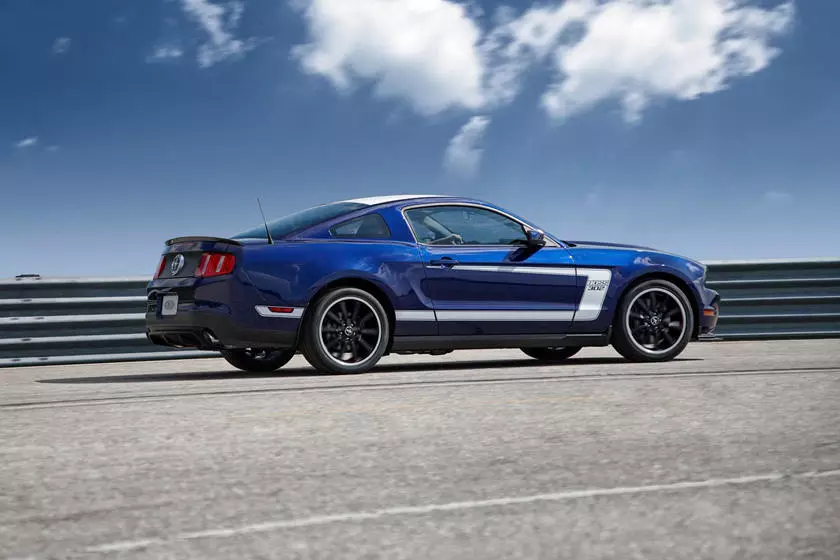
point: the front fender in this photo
(691, 274)
(628, 265)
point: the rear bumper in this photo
(212, 331)
(206, 321)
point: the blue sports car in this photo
(349, 282)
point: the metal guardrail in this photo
(77, 320)
(777, 299)
(90, 320)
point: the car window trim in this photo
(390, 235)
(550, 241)
(302, 229)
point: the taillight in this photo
(215, 264)
(160, 266)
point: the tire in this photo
(346, 332)
(258, 361)
(552, 355)
(650, 312)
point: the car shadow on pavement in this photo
(310, 372)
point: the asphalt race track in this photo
(733, 451)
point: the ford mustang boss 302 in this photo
(349, 282)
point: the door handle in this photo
(443, 262)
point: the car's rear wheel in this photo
(254, 360)
(346, 332)
(653, 322)
(552, 355)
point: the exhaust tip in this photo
(211, 338)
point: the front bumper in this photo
(709, 314)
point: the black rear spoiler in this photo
(198, 239)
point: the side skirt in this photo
(478, 342)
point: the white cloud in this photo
(27, 142)
(517, 43)
(164, 53)
(220, 23)
(777, 197)
(61, 45)
(423, 51)
(637, 52)
(435, 55)
(463, 155)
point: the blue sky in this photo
(703, 127)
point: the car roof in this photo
(377, 200)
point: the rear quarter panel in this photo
(292, 273)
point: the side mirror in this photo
(535, 238)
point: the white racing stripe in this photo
(414, 315)
(484, 315)
(594, 292)
(360, 516)
(373, 200)
(515, 269)
(505, 315)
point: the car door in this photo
(483, 279)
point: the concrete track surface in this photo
(732, 451)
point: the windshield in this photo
(301, 220)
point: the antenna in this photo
(267, 232)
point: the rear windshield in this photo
(301, 220)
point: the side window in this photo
(464, 225)
(372, 226)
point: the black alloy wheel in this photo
(347, 332)
(654, 322)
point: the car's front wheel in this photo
(552, 355)
(258, 361)
(346, 332)
(653, 322)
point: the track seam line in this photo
(410, 385)
(359, 516)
